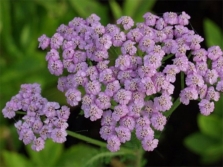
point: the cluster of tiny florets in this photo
(42, 119)
(118, 73)
(131, 93)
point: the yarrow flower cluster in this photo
(121, 68)
(42, 119)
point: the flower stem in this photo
(21, 112)
(174, 106)
(87, 139)
(167, 57)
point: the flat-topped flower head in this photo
(126, 22)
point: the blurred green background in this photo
(23, 21)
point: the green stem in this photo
(167, 57)
(87, 139)
(21, 112)
(174, 106)
(108, 154)
(139, 154)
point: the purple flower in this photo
(94, 113)
(212, 94)
(26, 135)
(218, 65)
(168, 31)
(181, 63)
(111, 29)
(45, 132)
(106, 76)
(149, 144)
(146, 44)
(79, 57)
(163, 102)
(63, 113)
(52, 55)
(104, 42)
(160, 24)
(58, 135)
(160, 36)
(149, 108)
(55, 67)
(219, 86)
(134, 35)
(102, 65)
(169, 44)
(128, 48)
(180, 50)
(180, 30)
(195, 42)
(100, 55)
(93, 87)
(37, 125)
(112, 88)
(126, 22)
(107, 119)
(135, 109)
(132, 84)
(202, 91)
(107, 131)
(143, 132)
(183, 19)
(50, 109)
(56, 41)
(142, 122)
(103, 101)
(150, 19)
(146, 71)
(92, 73)
(214, 52)
(201, 68)
(62, 84)
(123, 134)
(113, 143)
(122, 62)
(44, 41)
(87, 100)
(73, 96)
(128, 122)
(123, 96)
(194, 80)
(9, 111)
(146, 85)
(158, 121)
(119, 112)
(171, 71)
(152, 60)
(93, 19)
(206, 107)
(211, 76)
(170, 18)
(200, 55)
(38, 144)
(159, 81)
(118, 38)
(187, 94)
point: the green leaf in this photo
(219, 106)
(213, 33)
(85, 8)
(12, 159)
(143, 7)
(211, 126)
(49, 156)
(199, 143)
(77, 155)
(116, 9)
(130, 7)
